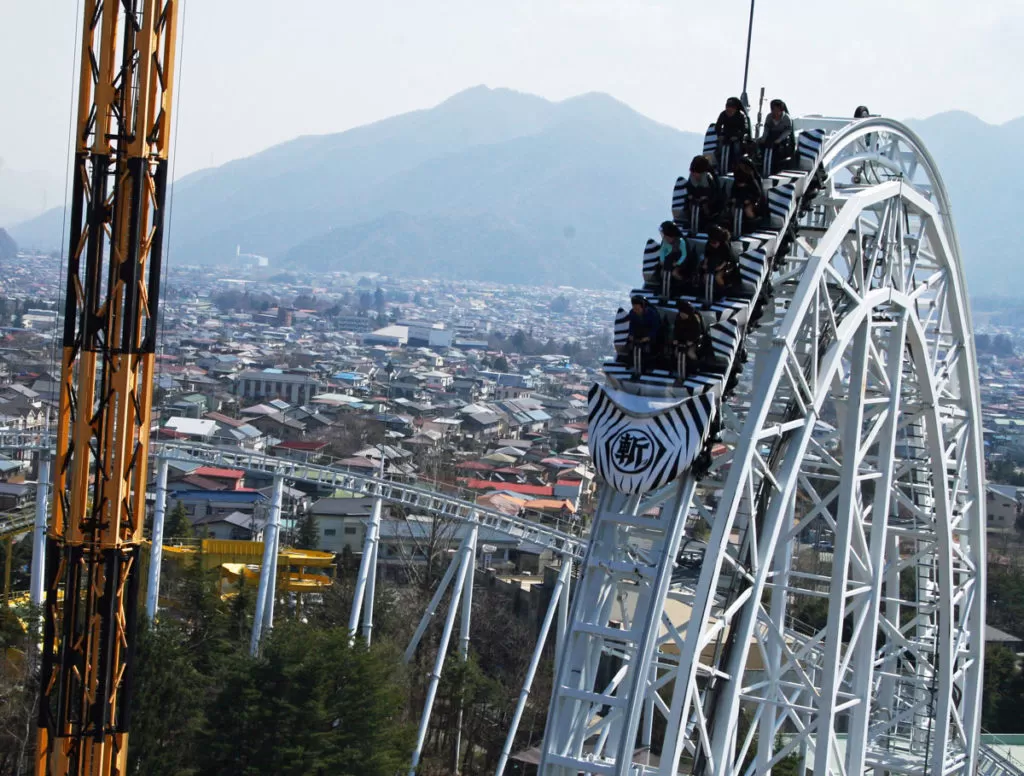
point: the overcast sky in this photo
(257, 72)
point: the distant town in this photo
(475, 386)
(471, 387)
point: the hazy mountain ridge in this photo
(8, 248)
(490, 179)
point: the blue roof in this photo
(240, 496)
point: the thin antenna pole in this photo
(746, 64)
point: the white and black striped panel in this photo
(725, 309)
(725, 340)
(621, 328)
(781, 203)
(808, 147)
(710, 141)
(655, 386)
(787, 176)
(679, 198)
(754, 266)
(641, 453)
(652, 259)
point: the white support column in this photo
(267, 570)
(36, 592)
(465, 566)
(371, 592)
(555, 604)
(464, 623)
(777, 612)
(563, 608)
(367, 569)
(848, 513)
(156, 548)
(272, 534)
(428, 615)
(864, 661)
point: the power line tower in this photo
(109, 341)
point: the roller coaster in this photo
(827, 454)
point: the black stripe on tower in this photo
(156, 257)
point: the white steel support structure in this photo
(615, 630)
(37, 581)
(264, 613)
(272, 537)
(558, 603)
(156, 547)
(362, 601)
(842, 590)
(460, 568)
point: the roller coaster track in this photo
(850, 475)
(423, 500)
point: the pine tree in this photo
(308, 535)
(177, 525)
(167, 704)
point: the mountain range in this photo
(498, 185)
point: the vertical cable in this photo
(170, 204)
(64, 216)
(746, 65)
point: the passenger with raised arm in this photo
(644, 325)
(702, 195)
(748, 192)
(732, 130)
(721, 266)
(687, 340)
(777, 142)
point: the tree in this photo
(167, 704)
(560, 304)
(307, 536)
(177, 525)
(328, 706)
(501, 364)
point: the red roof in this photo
(512, 487)
(477, 466)
(224, 474)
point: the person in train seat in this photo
(679, 269)
(777, 137)
(673, 247)
(862, 112)
(748, 192)
(702, 192)
(644, 326)
(688, 340)
(721, 266)
(733, 130)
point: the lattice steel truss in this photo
(109, 340)
(837, 617)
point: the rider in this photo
(644, 324)
(687, 339)
(777, 136)
(747, 191)
(721, 267)
(678, 268)
(702, 193)
(732, 129)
